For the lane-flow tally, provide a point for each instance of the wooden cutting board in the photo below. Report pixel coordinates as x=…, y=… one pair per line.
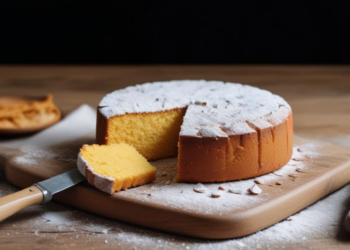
x=316, y=170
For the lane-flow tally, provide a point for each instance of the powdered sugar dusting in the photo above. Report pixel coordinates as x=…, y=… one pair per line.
x=319, y=221
x=57, y=218
x=225, y=104
x=167, y=192
x=32, y=155
x=315, y=222
x=25, y=160
x=64, y=220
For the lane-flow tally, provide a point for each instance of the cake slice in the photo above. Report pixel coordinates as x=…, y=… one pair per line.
x=111, y=168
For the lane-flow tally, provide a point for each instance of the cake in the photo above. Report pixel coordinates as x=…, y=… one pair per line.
x=111, y=168
x=27, y=112
x=219, y=131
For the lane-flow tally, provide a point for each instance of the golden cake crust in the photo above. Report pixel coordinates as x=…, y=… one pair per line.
x=233, y=132
x=236, y=157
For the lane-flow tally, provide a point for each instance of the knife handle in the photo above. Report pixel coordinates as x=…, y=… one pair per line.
x=13, y=203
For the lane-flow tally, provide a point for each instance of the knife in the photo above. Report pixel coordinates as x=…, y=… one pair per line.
x=39, y=193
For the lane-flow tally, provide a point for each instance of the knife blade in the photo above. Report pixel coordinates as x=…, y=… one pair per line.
x=39, y=193
x=59, y=183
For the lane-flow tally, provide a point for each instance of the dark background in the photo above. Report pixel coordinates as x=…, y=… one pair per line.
x=176, y=32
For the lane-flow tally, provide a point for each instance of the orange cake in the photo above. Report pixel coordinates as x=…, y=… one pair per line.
x=220, y=131
x=114, y=167
x=18, y=112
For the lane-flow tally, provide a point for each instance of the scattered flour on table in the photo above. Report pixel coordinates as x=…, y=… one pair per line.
x=25, y=160
x=57, y=218
x=313, y=222
x=320, y=220
x=317, y=221
x=68, y=220
x=167, y=192
x=31, y=154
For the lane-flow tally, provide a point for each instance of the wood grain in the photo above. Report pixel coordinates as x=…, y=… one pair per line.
x=319, y=96
x=326, y=171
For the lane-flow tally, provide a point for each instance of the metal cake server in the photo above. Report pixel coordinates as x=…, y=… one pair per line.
x=39, y=193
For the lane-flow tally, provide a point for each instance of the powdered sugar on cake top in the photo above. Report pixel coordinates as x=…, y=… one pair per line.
x=212, y=105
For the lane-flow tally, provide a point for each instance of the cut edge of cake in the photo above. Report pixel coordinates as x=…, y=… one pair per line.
x=105, y=183
x=263, y=129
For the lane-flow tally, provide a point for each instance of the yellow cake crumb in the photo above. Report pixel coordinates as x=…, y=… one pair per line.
x=154, y=135
x=120, y=161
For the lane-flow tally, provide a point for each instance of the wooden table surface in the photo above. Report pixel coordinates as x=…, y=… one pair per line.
x=319, y=96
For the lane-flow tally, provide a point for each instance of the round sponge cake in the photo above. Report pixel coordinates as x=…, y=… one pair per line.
x=220, y=131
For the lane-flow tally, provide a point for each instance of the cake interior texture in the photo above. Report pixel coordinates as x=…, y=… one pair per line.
x=154, y=135
x=121, y=162
x=219, y=131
